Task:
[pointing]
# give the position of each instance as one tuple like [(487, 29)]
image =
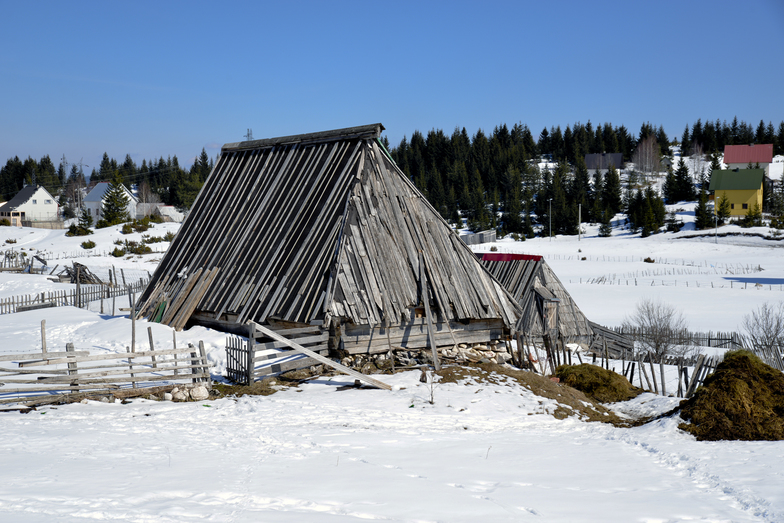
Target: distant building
[(167, 212), (740, 156), (743, 188), (602, 162), (31, 205), (93, 202)]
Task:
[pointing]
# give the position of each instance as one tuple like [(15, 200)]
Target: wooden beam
[(326, 361)]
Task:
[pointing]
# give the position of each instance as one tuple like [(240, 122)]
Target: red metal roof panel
[(759, 153)]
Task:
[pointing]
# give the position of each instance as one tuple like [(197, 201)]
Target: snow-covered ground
[(481, 452)]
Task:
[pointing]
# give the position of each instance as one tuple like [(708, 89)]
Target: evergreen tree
[(511, 220), (703, 219), (723, 208), (753, 217), (611, 192), (605, 229), (670, 187), (115, 203), (684, 188)]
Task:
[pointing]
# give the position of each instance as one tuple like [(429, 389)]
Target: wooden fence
[(54, 377), (78, 297), (724, 340), (259, 355)]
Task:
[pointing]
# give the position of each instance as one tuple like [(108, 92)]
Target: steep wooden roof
[(304, 228), (526, 276)]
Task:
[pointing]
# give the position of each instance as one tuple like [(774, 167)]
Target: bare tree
[(647, 156), (146, 194), (660, 329), (765, 326)]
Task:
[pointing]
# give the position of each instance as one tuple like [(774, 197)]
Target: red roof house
[(741, 155)]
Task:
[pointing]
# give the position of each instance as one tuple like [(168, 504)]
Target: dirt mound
[(572, 401), (742, 400), (598, 383)]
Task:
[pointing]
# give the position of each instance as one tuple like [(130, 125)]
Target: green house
[(742, 187)]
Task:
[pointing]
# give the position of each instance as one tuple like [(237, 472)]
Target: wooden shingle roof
[(526, 276), (309, 227)]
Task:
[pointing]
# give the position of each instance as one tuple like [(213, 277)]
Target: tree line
[(494, 181), (162, 180)]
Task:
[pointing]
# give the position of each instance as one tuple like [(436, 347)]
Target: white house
[(93, 202), (31, 204)]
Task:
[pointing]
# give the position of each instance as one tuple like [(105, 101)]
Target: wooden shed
[(547, 308), (324, 230)]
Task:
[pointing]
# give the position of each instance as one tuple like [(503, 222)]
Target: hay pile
[(742, 400), (600, 384)]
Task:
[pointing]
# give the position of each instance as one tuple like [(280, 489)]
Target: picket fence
[(78, 297)]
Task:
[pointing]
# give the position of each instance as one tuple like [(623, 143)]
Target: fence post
[(72, 370), (251, 347), (152, 348), (43, 336), (203, 354)]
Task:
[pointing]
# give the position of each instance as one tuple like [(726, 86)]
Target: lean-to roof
[(526, 276)]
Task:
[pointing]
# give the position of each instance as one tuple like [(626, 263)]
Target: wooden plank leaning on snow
[(318, 357)]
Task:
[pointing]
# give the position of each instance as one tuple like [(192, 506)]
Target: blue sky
[(167, 78)]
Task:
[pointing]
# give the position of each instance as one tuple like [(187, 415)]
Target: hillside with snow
[(485, 449)]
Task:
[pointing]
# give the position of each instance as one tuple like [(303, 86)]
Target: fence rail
[(47, 377), (78, 297), (252, 358)]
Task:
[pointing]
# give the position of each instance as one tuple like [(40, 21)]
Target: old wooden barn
[(323, 230), (547, 309)]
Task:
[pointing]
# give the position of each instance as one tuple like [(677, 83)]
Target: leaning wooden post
[(204, 367), (426, 301), (389, 346), (644, 373), (152, 348), (661, 369), (43, 336), (653, 373), (174, 347)]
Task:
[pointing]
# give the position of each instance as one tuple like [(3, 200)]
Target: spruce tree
[(611, 192), (703, 219), (115, 203), (684, 188), (605, 229), (753, 216), (670, 187), (723, 208)]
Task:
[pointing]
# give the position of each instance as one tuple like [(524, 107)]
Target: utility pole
[(579, 220), (249, 136), (716, 221), (79, 179)]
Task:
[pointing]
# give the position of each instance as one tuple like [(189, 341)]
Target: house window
[(89, 211), (732, 206), (48, 202), (35, 201), (745, 205)]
